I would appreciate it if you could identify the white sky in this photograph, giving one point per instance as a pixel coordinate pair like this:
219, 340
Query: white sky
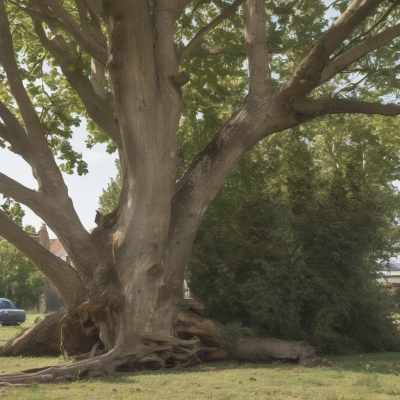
84, 190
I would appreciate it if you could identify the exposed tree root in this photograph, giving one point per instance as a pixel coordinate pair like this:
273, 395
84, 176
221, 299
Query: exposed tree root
197, 339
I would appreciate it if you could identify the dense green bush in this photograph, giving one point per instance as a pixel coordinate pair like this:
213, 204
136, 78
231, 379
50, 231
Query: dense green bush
294, 243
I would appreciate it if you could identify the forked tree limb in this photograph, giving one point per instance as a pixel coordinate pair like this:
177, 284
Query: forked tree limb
364, 33
83, 19
307, 75
35, 137
203, 179
7, 60
98, 32
40, 204
62, 275
182, 54
97, 108
36, 152
341, 62
11, 188
255, 32
82, 39
97, 74
12, 131
49, 20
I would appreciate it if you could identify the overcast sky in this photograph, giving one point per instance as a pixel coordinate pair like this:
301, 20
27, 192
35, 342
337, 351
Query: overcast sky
84, 190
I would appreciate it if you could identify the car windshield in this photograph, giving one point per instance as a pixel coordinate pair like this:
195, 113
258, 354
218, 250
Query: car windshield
4, 305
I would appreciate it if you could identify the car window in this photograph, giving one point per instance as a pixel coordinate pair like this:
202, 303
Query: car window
5, 305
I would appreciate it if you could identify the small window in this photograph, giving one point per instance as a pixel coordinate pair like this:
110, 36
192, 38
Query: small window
5, 305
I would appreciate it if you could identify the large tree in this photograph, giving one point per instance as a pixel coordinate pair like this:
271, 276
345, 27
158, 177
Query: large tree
127, 274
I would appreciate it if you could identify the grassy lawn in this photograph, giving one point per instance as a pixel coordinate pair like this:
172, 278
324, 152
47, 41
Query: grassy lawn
362, 376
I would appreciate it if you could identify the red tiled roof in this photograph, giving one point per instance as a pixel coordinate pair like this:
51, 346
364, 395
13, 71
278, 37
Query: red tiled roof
56, 247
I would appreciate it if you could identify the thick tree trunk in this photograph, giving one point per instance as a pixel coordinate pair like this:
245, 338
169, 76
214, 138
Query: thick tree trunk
196, 339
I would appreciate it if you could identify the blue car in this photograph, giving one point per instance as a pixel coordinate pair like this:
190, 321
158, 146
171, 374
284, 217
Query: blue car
9, 314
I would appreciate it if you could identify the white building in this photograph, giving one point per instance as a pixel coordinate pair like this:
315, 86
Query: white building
391, 276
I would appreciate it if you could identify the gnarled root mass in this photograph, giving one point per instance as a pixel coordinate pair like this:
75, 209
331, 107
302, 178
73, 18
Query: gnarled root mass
197, 339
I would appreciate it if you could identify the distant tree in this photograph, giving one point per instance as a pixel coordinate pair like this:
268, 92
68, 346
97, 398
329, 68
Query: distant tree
20, 280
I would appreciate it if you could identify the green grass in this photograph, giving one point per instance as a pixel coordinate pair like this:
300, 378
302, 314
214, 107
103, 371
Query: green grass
362, 376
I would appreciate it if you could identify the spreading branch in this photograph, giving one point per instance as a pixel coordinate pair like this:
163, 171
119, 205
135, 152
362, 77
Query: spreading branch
12, 131
60, 273
83, 19
197, 188
9, 64
97, 76
344, 60
363, 34
67, 225
37, 154
205, 29
255, 33
98, 32
308, 73
20, 193
96, 107
82, 39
